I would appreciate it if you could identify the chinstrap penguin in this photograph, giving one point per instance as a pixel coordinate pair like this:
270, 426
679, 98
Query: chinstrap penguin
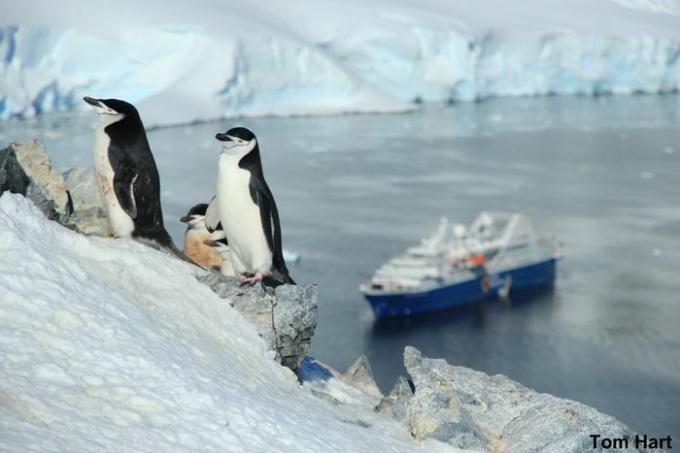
127, 176
247, 211
198, 242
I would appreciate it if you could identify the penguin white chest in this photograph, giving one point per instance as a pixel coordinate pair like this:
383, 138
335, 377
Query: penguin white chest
241, 220
121, 223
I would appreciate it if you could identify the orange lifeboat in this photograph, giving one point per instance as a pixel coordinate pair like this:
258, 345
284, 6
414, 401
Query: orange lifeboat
476, 260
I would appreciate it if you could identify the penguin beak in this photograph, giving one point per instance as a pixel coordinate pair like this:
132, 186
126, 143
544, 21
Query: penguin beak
92, 101
223, 137
185, 219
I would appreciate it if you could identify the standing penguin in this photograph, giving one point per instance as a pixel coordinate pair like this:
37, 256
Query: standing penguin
247, 211
127, 176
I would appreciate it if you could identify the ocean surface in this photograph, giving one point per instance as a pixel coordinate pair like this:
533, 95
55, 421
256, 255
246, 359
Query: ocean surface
603, 174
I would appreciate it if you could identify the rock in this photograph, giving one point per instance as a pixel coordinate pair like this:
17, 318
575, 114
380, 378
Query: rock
294, 319
81, 183
361, 376
285, 318
16, 178
329, 384
92, 221
13, 178
470, 409
25, 168
396, 403
88, 216
33, 158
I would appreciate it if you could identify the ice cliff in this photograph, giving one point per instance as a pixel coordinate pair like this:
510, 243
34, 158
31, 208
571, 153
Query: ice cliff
217, 59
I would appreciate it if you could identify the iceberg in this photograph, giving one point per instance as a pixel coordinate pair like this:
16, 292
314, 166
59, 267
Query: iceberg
230, 59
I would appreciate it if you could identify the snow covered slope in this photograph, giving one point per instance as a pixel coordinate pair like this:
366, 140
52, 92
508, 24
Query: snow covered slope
110, 345
226, 58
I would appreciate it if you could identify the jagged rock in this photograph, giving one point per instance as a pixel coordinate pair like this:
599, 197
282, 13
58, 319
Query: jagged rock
33, 158
82, 184
470, 409
396, 403
92, 221
285, 317
294, 320
16, 178
361, 376
13, 178
25, 168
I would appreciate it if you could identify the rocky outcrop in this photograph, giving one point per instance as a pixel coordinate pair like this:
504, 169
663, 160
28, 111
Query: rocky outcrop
88, 215
23, 171
396, 402
285, 317
360, 375
13, 178
33, 158
71, 198
470, 409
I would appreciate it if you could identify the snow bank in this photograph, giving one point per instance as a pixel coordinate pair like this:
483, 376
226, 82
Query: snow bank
109, 345
228, 58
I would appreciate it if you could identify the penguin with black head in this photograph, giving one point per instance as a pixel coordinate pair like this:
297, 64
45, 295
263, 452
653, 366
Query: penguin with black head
127, 176
247, 211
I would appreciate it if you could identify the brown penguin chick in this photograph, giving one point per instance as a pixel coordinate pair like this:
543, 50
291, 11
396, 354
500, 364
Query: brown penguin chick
197, 239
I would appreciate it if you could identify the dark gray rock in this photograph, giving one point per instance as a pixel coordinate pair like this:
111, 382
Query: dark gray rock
13, 178
294, 313
470, 409
360, 375
285, 317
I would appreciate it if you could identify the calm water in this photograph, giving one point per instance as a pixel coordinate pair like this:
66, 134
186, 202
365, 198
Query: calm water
602, 174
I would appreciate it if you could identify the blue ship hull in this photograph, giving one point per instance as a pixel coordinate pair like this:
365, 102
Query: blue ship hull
479, 288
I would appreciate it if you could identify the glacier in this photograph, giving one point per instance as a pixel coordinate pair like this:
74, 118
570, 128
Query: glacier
220, 59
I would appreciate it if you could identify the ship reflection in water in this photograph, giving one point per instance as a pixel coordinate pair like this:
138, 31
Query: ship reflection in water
472, 315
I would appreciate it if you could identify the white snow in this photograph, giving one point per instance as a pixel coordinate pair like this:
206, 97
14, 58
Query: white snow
108, 345
215, 58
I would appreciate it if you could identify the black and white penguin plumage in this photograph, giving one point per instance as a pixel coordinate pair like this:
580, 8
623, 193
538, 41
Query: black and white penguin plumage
127, 176
247, 211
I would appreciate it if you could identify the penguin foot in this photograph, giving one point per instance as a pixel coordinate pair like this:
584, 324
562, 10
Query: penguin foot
251, 280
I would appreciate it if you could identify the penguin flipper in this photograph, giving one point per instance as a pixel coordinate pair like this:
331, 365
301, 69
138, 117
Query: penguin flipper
269, 216
212, 216
124, 186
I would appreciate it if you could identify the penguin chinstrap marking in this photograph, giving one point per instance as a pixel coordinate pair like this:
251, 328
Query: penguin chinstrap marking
247, 211
127, 176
